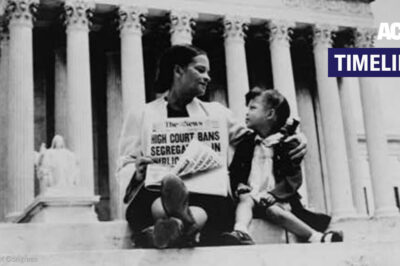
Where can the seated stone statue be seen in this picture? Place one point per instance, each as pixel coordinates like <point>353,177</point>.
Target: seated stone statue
<point>57,169</point>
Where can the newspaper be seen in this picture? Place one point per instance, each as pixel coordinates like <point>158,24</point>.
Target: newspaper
<point>192,149</point>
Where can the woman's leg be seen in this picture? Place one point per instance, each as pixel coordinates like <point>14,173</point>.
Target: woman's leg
<point>140,218</point>
<point>138,213</point>
<point>220,213</point>
<point>177,223</point>
<point>199,215</point>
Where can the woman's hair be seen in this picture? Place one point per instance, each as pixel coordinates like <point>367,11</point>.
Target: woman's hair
<point>181,55</point>
<point>272,99</point>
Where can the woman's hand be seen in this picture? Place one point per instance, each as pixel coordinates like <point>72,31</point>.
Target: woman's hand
<point>297,153</point>
<point>141,166</point>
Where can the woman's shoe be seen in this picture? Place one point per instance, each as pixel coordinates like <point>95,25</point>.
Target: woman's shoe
<point>168,233</point>
<point>145,238</point>
<point>175,201</point>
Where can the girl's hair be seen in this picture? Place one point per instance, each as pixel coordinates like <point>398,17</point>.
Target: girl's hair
<point>272,99</point>
<point>181,55</point>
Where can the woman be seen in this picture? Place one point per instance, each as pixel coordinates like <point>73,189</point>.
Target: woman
<point>183,76</point>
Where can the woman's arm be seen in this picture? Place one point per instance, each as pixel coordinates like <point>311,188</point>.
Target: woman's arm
<point>236,129</point>
<point>129,154</point>
<point>287,171</point>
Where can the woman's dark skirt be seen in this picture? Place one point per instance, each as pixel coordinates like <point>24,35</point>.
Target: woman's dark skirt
<point>220,211</point>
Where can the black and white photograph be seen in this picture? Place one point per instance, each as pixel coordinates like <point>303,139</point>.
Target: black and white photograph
<point>200,132</point>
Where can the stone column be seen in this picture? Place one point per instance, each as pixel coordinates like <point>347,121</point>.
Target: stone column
<point>282,71</point>
<point>236,64</point>
<point>182,23</point>
<point>60,88</point>
<point>79,136</point>
<point>332,124</point>
<point>313,175</point>
<point>133,95</point>
<point>375,136</point>
<point>346,87</point>
<point>132,70</point>
<point>114,124</point>
<point>4,51</point>
<point>322,153</point>
<point>20,159</point>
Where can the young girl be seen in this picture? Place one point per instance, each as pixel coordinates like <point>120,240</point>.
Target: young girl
<point>266,180</point>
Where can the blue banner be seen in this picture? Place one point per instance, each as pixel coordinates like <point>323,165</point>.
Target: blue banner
<point>364,62</point>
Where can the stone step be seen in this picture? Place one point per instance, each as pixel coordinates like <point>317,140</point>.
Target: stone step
<point>336,254</point>
<point>52,237</point>
<point>264,232</point>
<point>93,236</point>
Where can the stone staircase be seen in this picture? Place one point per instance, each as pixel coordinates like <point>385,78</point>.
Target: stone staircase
<point>367,242</point>
<point>377,253</point>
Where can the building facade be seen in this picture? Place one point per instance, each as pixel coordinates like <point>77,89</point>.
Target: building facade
<point>76,68</point>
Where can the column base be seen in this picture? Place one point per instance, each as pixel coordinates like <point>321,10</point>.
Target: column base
<point>11,217</point>
<point>355,217</point>
<point>387,212</point>
<point>61,209</point>
<point>345,214</point>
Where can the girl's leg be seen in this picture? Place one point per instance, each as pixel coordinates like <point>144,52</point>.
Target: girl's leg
<point>290,222</point>
<point>244,213</point>
<point>243,216</point>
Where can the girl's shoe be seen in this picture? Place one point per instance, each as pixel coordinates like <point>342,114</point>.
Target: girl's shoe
<point>236,237</point>
<point>332,236</point>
